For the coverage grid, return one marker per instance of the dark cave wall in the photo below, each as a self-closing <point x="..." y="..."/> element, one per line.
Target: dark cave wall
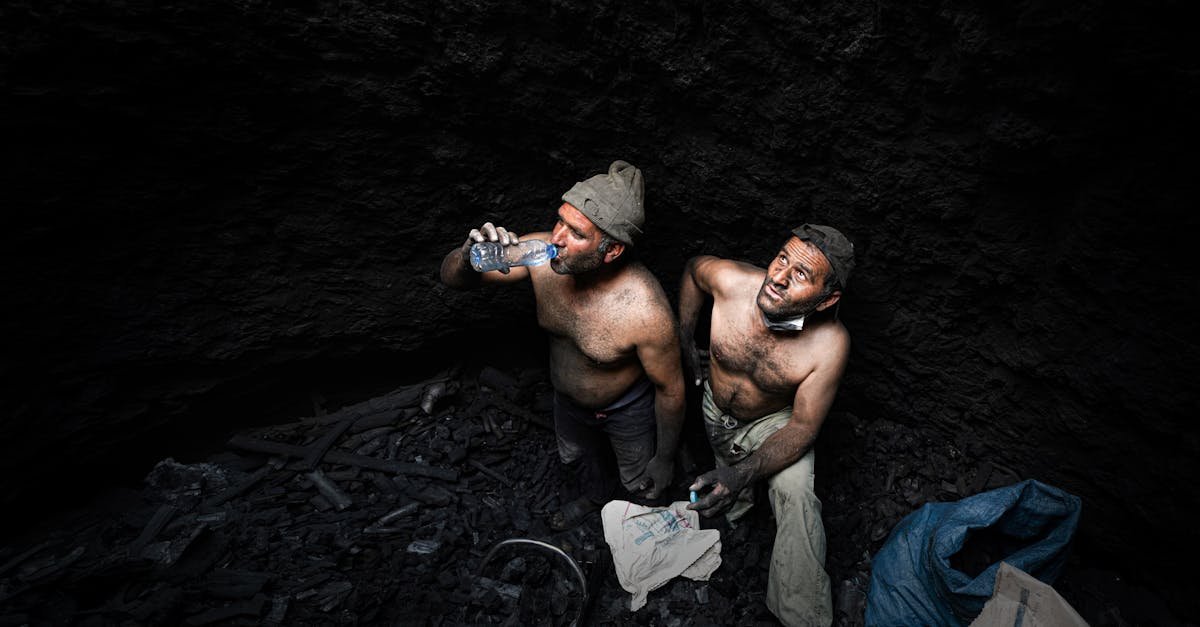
<point x="204" y="194"/>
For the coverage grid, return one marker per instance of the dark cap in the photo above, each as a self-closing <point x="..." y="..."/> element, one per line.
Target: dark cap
<point x="837" y="249"/>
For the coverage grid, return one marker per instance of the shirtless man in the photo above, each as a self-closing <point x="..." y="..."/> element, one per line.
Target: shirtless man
<point x="777" y="353"/>
<point x="614" y="351"/>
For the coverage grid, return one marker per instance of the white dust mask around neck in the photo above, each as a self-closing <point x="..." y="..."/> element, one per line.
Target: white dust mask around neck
<point x="790" y="324"/>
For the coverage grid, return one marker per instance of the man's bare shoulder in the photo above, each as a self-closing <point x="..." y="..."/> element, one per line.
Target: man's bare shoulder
<point x="725" y="277"/>
<point x="641" y="286"/>
<point x="828" y="342"/>
<point x="643" y="299"/>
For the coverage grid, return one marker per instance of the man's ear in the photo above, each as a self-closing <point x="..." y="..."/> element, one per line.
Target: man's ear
<point x="830" y="301"/>
<point x="614" y="250"/>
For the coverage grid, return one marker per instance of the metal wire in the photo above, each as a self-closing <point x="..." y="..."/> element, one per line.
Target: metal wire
<point x="583" y="586"/>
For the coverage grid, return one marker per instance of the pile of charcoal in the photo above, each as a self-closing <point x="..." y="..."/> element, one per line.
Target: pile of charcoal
<point x="402" y="509"/>
<point x="429" y="505"/>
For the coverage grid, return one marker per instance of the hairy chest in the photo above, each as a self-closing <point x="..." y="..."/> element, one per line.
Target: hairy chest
<point x="774" y="365"/>
<point x="597" y="328"/>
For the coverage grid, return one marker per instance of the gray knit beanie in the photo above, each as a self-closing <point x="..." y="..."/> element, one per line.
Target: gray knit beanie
<point x="612" y="201"/>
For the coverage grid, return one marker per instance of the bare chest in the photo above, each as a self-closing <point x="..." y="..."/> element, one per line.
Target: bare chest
<point x="594" y="326"/>
<point x="772" y="364"/>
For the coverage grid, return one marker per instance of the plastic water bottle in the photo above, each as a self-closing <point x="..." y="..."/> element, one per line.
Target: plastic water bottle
<point x="487" y="256"/>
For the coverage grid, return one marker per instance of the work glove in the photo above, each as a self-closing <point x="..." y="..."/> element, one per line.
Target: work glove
<point x="726" y="483"/>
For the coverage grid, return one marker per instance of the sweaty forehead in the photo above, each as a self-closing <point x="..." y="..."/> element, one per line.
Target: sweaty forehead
<point x="808" y="255"/>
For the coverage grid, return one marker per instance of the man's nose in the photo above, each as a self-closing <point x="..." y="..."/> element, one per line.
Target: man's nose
<point x="779" y="277"/>
<point x="556" y="236"/>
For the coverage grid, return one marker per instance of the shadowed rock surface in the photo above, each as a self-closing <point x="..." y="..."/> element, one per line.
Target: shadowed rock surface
<point x="216" y="208"/>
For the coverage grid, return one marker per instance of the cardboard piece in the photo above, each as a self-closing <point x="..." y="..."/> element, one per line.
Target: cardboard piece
<point x="1020" y="600"/>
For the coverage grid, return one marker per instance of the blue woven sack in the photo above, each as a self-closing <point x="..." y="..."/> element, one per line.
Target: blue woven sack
<point x="916" y="578"/>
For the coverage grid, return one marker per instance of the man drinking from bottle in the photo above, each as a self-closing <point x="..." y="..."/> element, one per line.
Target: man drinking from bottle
<point x="614" y="351"/>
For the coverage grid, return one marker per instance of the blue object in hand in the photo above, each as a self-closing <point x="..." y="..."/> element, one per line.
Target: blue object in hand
<point x="693" y="495"/>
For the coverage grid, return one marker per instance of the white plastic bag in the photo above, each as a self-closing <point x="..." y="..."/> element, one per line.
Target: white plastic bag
<point x="652" y="545"/>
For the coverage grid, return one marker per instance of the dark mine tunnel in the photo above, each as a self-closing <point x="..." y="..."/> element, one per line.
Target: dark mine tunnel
<point x="236" y="392"/>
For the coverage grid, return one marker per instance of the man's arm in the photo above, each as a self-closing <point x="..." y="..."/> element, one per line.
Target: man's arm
<point x="696" y="283"/>
<point x="658" y="352"/>
<point x="456" y="269"/>
<point x="783" y="448"/>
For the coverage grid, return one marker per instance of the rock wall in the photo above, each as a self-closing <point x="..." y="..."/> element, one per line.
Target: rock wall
<point x="210" y="202"/>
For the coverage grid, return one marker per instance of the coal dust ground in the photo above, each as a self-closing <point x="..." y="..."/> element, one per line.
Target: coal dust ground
<point x="384" y="512"/>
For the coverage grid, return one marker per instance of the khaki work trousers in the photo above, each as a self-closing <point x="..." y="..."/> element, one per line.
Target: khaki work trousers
<point x="798" y="591"/>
